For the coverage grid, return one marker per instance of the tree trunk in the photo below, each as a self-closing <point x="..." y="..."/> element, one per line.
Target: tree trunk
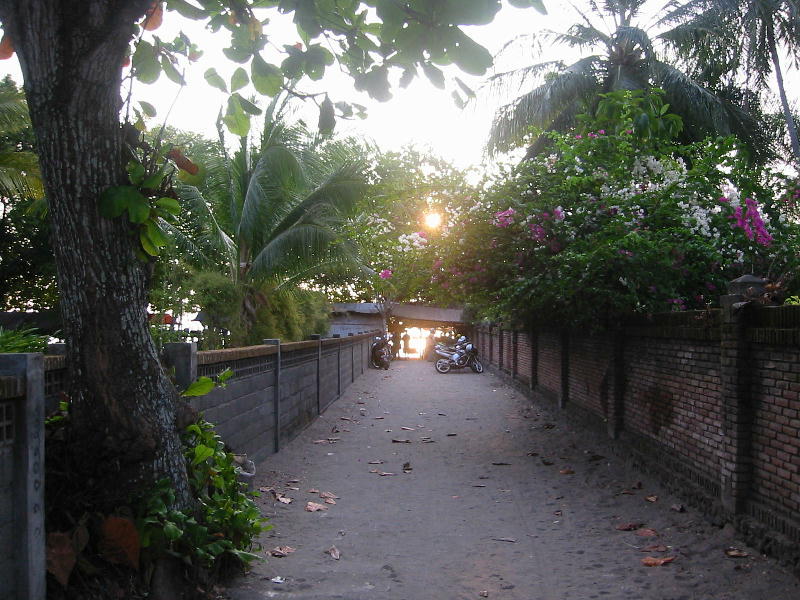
<point x="787" y="111"/>
<point x="123" y="405"/>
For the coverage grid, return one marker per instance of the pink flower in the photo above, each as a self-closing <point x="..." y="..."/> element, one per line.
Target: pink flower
<point x="504" y="218"/>
<point x="601" y="131"/>
<point x="558" y="213"/>
<point x="385" y="274"/>
<point x="437" y="263"/>
<point x="629" y="131"/>
<point x="579" y="137"/>
<point x="422" y="234"/>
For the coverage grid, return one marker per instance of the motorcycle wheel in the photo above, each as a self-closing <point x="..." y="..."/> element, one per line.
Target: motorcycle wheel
<point x="442" y="365"/>
<point x="476" y="366"/>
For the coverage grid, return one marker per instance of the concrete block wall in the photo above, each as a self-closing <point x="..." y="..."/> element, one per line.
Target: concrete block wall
<point x="709" y="400"/>
<point x="300" y="379"/>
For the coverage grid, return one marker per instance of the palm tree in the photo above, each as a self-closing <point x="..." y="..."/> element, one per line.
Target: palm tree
<point x="739" y="37"/>
<point x="271" y="220"/>
<point x="19" y="170"/>
<point x="624" y="59"/>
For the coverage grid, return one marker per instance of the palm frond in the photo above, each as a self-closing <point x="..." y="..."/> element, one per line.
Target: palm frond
<point x="543" y="105"/>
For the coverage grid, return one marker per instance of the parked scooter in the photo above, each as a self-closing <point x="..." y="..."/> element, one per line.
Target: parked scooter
<point x="463" y="354"/>
<point x="380" y="354"/>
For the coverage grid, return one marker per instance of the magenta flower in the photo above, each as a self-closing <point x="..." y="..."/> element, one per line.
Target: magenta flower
<point x="601" y="131"/>
<point x="385" y="274"/>
<point x="579" y="137"/>
<point x="558" y="213"/>
<point x="437" y="263"/>
<point x="504" y="218"/>
<point x="422" y="234"/>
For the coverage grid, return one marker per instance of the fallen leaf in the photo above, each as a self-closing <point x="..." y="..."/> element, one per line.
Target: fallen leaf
<point x="293" y="488"/>
<point x="547" y="463"/>
<point x="637" y="485"/>
<point x="646" y="533"/>
<point x="330" y="501"/>
<point x="678" y="508"/>
<point x="379" y="418"/>
<point x="510" y="540"/>
<point x="407" y="428"/>
<point x="281" y="551"/>
<point x="407" y="467"/>
<point x="321" y="442"/>
<point x="548" y="426"/>
<point x="375" y="462"/>
<point x="278" y="579"/>
<point x="441" y="414"/>
<point x="382" y="473"/>
<point x="399" y="441"/>
<point x="315" y="506"/>
<point x="330" y="495"/>
<point x="452" y="434"/>
<point x="655" y="548"/>
<point x="628" y="526"/>
<point x="652" y="561"/>
<point x="501" y="464"/>
<point x="567" y="472"/>
<point x="120" y="541"/>
<point x="479" y="485"/>
<point x="265" y="489"/>
<point x="651" y="498"/>
<point x="484" y="594"/>
<point x="596" y="457"/>
<point x="627" y="493"/>
<point x="558" y="513"/>
<point x="334" y="552"/>
<point x="346" y="419"/>
<point x="736" y="553"/>
<point x="293" y="481"/>
<point x="313" y="491"/>
<point x="533" y="454"/>
<point x="61" y="556"/>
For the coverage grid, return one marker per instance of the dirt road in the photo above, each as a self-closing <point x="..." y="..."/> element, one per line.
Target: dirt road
<point x="498" y="499"/>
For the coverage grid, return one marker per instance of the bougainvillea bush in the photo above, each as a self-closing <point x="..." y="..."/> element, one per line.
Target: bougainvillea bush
<point x="616" y="218"/>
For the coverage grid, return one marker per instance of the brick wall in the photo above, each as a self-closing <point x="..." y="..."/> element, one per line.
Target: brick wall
<point x="708" y="399"/>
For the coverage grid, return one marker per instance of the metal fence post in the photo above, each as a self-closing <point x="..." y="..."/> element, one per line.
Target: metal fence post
<point x="318" y="338"/>
<point x="338" y="366"/>
<point x="277" y="390"/>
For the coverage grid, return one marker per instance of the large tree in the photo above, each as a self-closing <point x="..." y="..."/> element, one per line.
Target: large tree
<point x="620" y="55"/>
<point x="741" y="39"/>
<point x="71" y="53"/>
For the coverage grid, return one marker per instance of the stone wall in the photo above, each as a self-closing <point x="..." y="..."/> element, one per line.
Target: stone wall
<point x="709" y="400"/>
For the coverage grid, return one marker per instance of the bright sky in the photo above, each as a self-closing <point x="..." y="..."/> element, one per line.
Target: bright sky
<point x="420" y="114"/>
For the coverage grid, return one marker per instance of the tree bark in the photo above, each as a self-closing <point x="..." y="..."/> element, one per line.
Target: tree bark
<point x="787" y="111"/>
<point x="123" y="405"/>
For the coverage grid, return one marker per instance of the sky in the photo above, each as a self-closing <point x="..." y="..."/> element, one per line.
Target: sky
<point x="420" y="114"/>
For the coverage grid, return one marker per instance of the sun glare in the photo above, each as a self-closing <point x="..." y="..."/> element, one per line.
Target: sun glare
<point x="433" y="220"/>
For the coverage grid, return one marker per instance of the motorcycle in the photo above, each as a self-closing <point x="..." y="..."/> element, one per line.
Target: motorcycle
<point x="380" y="354"/>
<point x="462" y="355"/>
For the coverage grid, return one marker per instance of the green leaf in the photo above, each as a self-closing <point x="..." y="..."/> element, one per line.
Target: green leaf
<point x="115" y="200"/>
<point x="170" y="205"/>
<point x="434" y="74"/>
<point x="138" y="209"/>
<point x="145" y="62"/>
<point x="199" y="388"/>
<point x="470" y="56"/>
<point x="154" y="234"/>
<point x="202" y="453"/>
<point x="235" y="119"/>
<point x="457" y="99"/>
<point x="468" y="91"/>
<point x="239" y="79"/>
<point x="147" y="245"/>
<point x="223" y="377"/>
<point x="536" y="4"/>
<point x="267" y="78"/>
<point x="316" y="59"/>
<point x="148" y="108"/>
<point x="237" y="54"/>
<point x="136" y="172"/>
<point x="187" y="10"/>
<point x="214" y="80"/>
<point x="248" y="106"/>
<point x="153" y="182"/>
<point x="327" y="117"/>
<point x="172" y="531"/>
<point x="171" y="72"/>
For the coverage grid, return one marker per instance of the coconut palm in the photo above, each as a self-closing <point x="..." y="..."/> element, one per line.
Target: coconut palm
<point x="270" y="220"/>
<point x="19" y="170"/>
<point x="623" y="58"/>
<point x="739" y="38"/>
